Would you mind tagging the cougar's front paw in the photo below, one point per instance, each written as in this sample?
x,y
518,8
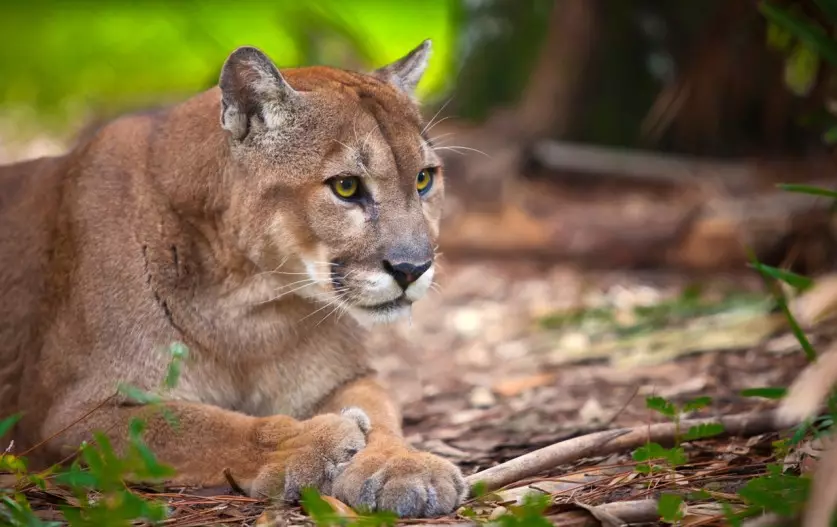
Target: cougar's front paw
x,y
313,457
410,484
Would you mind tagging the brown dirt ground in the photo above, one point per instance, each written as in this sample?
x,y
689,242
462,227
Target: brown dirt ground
x,y
480,386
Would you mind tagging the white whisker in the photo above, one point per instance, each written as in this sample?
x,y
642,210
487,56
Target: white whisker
x,y
456,149
443,119
365,139
340,303
286,293
327,305
429,125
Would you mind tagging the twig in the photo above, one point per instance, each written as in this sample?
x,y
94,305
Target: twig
x,y
618,412
233,483
58,433
609,442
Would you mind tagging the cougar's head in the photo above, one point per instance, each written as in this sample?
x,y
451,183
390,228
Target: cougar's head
x,y
337,189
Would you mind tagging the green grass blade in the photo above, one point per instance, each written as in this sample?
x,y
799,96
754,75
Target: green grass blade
x,y
792,279
807,189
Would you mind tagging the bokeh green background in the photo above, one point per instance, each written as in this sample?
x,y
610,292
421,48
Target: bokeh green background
x,y
61,60
66,63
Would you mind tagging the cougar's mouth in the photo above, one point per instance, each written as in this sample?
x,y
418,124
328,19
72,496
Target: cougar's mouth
x,y
401,301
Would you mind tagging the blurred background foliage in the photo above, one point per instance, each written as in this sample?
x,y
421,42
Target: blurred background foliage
x,y
689,77
63,59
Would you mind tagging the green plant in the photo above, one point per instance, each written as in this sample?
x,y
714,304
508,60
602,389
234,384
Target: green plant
x,y
670,506
96,478
676,455
777,491
530,513
324,514
808,44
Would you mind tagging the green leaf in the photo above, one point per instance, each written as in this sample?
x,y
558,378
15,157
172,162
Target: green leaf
x,y
670,507
697,404
794,280
801,68
17,512
778,38
479,489
152,468
661,405
72,515
13,464
530,513
77,478
316,507
674,456
697,495
649,451
810,354
135,429
800,431
766,392
776,492
38,480
179,352
138,395
769,272
733,518
703,431
808,32
7,423
808,189
133,507
830,136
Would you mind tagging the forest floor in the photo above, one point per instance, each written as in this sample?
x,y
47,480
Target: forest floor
x,y
509,358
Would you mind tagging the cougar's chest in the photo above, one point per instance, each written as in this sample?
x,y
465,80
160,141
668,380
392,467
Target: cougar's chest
x,y
293,382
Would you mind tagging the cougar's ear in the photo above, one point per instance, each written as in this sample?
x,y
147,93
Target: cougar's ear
x,y
405,73
252,87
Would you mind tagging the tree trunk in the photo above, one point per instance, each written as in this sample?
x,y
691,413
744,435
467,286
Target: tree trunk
x,y
546,108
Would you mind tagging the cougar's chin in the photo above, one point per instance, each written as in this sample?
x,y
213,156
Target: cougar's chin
x,y
383,313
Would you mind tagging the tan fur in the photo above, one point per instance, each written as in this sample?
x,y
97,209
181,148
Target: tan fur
x,y
169,226
803,400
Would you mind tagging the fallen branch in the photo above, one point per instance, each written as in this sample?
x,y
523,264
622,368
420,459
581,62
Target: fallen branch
x,y
612,441
639,511
618,513
643,166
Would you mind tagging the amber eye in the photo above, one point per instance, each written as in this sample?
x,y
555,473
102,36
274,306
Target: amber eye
x,y
424,180
346,187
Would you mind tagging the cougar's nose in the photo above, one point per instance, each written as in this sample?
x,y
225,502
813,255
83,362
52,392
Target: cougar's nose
x,y
406,273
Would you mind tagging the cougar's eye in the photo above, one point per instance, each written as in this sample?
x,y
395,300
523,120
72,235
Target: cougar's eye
x,y
346,187
424,180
